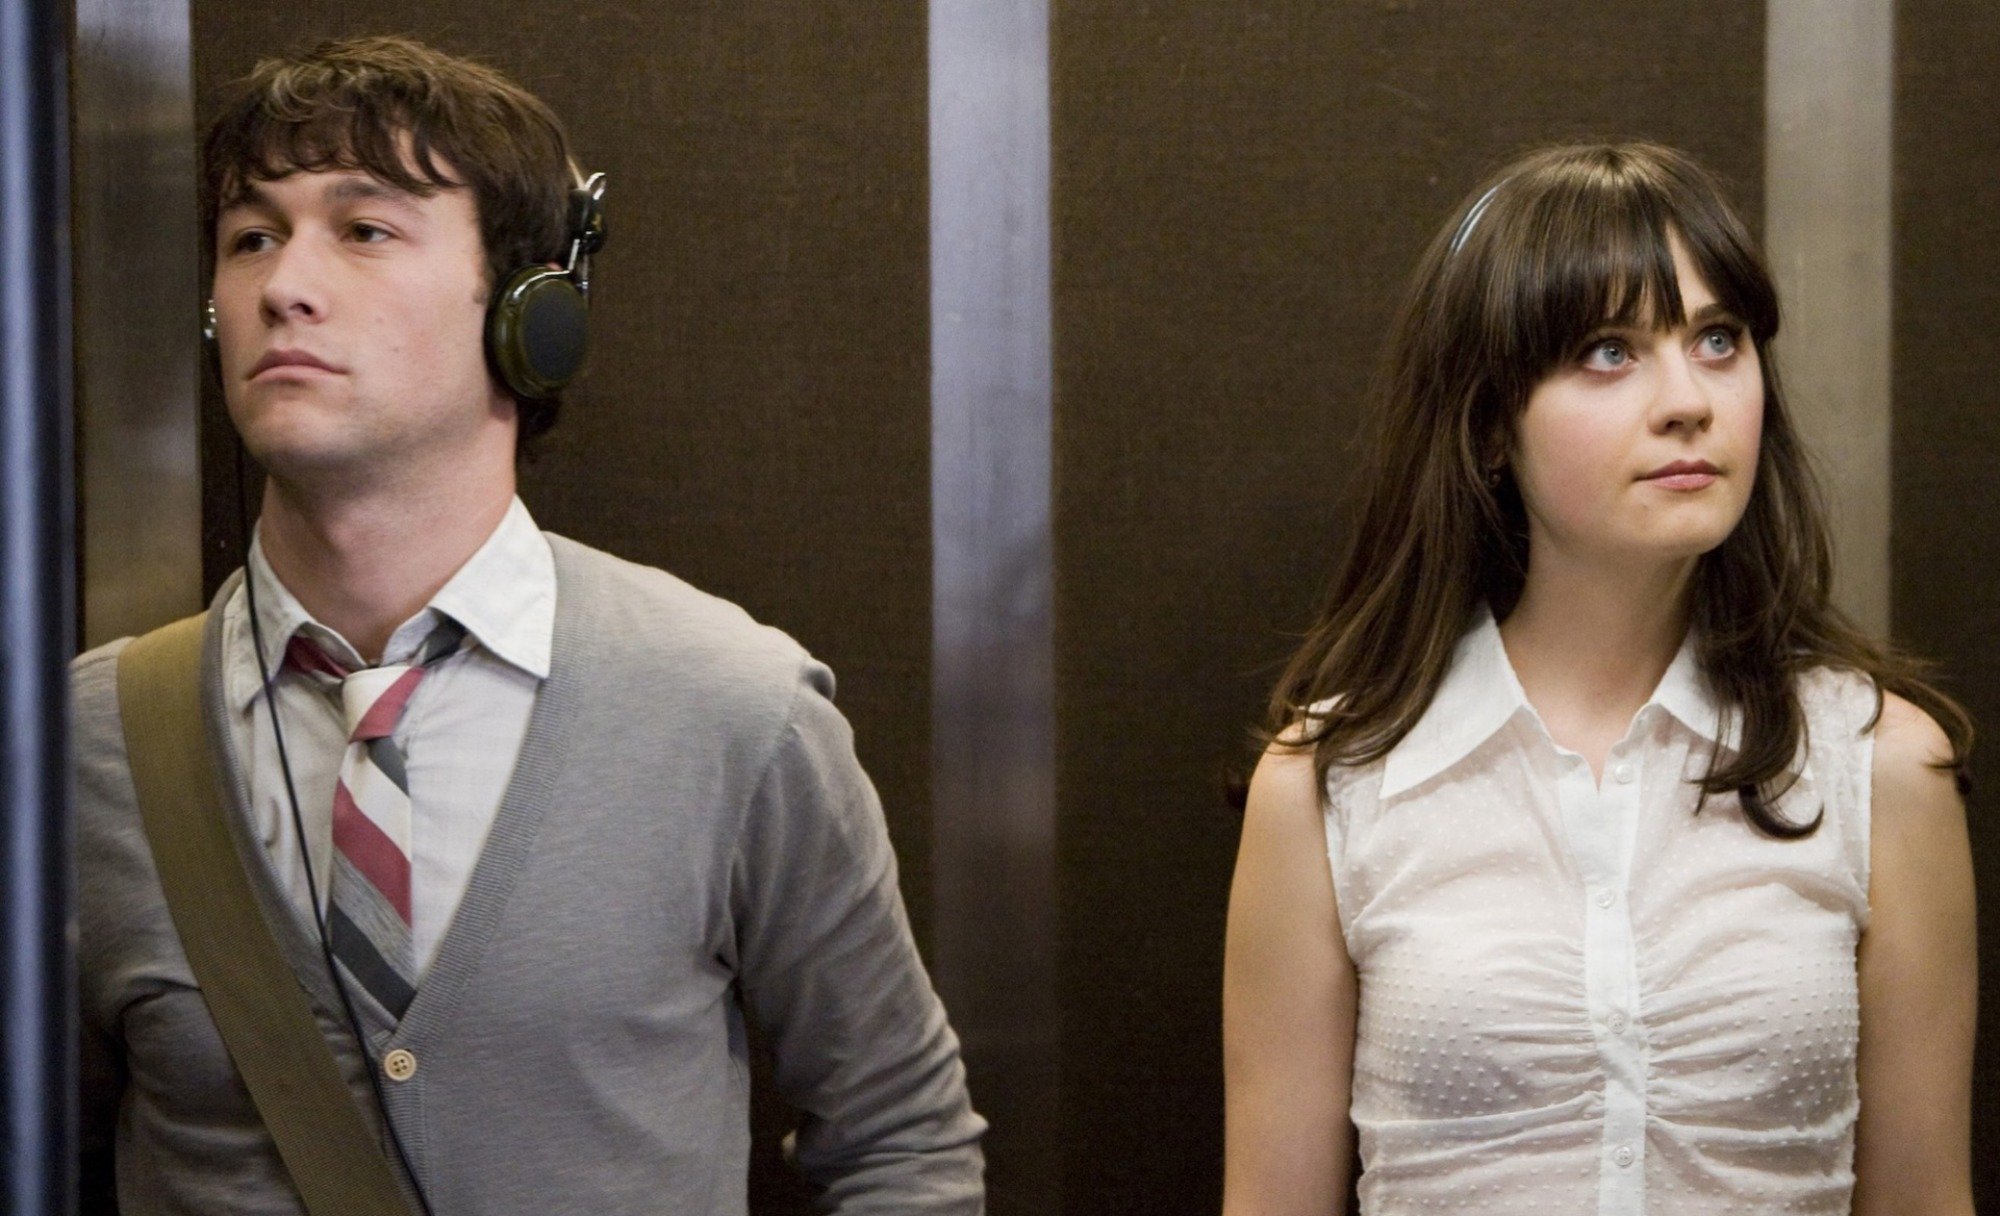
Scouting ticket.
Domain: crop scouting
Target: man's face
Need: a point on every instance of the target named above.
(349, 321)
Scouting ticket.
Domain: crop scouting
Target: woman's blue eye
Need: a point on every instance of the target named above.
(1718, 343)
(1607, 355)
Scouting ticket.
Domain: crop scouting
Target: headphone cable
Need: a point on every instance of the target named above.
(305, 849)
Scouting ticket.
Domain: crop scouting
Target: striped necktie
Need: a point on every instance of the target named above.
(368, 912)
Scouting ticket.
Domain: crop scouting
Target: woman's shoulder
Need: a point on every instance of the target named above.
(1913, 758)
(1903, 733)
(1824, 687)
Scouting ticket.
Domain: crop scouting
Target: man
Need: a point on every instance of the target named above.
(603, 817)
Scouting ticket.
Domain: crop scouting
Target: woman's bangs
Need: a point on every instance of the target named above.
(1596, 259)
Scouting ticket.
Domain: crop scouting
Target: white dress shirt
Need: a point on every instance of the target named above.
(1578, 997)
(460, 734)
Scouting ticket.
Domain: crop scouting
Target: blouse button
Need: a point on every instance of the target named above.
(1605, 899)
(1623, 774)
(1623, 1156)
(1617, 1023)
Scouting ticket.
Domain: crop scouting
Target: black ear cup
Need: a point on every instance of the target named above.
(536, 331)
(537, 325)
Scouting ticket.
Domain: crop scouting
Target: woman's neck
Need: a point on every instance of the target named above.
(1589, 646)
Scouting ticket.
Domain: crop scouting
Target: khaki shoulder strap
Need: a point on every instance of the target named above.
(251, 991)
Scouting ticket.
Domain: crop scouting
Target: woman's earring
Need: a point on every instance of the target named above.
(1493, 479)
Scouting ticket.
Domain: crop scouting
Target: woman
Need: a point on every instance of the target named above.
(1596, 864)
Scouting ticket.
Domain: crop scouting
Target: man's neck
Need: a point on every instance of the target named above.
(363, 564)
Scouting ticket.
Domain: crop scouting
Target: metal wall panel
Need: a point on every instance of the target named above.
(1826, 181)
(137, 312)
(993, 687)
(1946, 567)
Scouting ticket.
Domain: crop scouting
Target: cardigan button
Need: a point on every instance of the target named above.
(399, 1065)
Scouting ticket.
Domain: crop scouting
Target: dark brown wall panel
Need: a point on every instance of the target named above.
(1240, 190)
(1946, 559)
(755, 416)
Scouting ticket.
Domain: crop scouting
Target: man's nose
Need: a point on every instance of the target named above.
(295, 288)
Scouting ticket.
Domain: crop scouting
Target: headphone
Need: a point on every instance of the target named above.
(536, 325)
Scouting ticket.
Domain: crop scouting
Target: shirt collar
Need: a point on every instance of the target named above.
(504, 595)
(1481, 694)
(1684, 693)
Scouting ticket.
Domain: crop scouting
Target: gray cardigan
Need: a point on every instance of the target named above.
(687, 839)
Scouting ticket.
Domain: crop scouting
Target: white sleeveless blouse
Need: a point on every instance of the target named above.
(1577, 998)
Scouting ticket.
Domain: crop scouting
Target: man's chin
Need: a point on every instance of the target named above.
(306, 459)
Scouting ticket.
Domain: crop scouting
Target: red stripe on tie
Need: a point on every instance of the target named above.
(304, 654)
(370, 851)
(380, 720)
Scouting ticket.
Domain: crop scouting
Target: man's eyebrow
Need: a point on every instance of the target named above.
(252, 194)
(249, 194)
(368, 189)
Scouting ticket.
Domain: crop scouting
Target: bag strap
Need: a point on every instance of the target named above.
(251, 991)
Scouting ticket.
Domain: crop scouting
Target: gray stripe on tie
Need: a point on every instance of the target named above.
(385, 755)
(359, 955)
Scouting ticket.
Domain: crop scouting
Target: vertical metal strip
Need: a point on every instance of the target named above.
(38, 1141)
(137, 316)
(1827, 174)
(993, 689)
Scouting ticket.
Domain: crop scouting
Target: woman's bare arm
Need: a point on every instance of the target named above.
(1288, 1002)
(1919, 982)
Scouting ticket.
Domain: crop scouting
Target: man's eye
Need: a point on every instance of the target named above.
(251, 241)
(367, 233)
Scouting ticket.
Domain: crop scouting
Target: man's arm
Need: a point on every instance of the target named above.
(830, 972)
(102, 1075)
(101, 781)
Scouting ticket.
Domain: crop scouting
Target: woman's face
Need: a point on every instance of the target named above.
(1642, 446)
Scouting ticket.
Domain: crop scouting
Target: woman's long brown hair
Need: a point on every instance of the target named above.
(1544, 254)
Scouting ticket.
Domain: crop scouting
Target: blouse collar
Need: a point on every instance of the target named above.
(1481, 694)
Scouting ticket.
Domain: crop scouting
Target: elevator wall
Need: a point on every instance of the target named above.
(1237, 193)
(1945, 562)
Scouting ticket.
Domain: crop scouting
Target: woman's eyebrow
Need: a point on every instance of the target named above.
(1714, 310)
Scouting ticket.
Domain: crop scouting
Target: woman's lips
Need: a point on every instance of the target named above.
(1683, 481)
(1684, 475)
